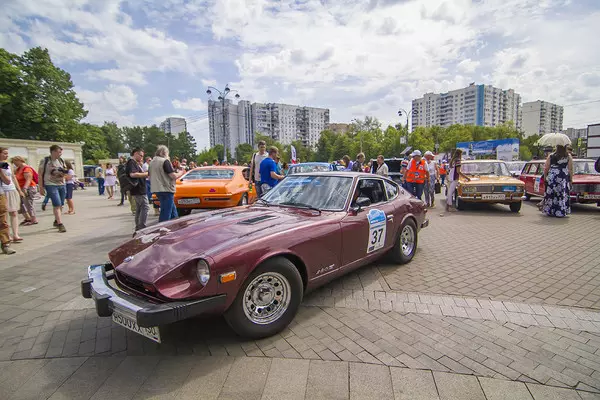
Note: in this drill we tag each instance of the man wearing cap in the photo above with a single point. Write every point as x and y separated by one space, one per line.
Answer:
416 175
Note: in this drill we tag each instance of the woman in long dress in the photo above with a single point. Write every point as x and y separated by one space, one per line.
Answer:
558 173
110 181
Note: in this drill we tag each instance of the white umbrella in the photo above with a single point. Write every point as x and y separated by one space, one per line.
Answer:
554 139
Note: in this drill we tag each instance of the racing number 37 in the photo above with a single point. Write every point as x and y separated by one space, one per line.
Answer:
377 227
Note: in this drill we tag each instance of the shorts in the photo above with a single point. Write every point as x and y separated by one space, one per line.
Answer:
13 201
264 188
57 194
70 187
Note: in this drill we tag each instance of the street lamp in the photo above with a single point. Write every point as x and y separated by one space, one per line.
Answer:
222 96
400 111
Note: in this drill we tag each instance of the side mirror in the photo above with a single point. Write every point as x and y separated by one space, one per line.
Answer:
362 202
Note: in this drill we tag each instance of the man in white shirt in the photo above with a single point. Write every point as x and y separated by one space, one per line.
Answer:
382 168
257 158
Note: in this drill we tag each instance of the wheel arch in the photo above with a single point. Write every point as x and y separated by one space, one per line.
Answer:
294 259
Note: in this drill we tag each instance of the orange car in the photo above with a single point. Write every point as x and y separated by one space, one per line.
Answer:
212 187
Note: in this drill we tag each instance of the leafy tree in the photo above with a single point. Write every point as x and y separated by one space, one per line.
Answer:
37 100
421 139
455 134
113 135
183 146
243 153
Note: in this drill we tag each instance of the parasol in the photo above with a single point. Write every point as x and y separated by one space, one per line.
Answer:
554 139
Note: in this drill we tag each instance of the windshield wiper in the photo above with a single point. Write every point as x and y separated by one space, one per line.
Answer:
266 203
301 205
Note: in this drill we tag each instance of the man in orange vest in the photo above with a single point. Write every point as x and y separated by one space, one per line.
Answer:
416 175
443 171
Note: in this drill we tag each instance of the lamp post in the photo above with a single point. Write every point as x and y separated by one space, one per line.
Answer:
222 96
400 111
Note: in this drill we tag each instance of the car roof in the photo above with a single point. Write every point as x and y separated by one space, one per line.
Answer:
343 174
480 161
310 163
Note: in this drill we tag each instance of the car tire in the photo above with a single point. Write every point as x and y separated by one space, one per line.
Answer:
460 205
244 200
527 196
182 212
515 207
243 317
406 243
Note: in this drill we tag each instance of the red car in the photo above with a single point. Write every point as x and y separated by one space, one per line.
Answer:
586 181
255 263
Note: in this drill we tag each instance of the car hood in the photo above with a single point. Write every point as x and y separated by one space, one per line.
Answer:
491 179
582 178
157 250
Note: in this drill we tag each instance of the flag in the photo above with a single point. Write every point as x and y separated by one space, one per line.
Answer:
293 151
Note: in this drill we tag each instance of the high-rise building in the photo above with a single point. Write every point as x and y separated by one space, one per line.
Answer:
576 133
481 105
540 117
173 125
593 141
283 122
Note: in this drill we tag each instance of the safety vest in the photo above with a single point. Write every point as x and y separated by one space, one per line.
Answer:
443 169
415 172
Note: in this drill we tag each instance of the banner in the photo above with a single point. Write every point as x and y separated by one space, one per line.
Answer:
293 151
502 149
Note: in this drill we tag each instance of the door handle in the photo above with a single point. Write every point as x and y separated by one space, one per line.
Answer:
390 217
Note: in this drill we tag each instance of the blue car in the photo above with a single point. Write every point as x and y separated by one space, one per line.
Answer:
311 167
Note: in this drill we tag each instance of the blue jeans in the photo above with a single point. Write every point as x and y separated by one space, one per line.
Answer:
57 194
416 189
149 194
100 186
167 206
443 179
46 199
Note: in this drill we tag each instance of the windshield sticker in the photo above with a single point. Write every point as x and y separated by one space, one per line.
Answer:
377 230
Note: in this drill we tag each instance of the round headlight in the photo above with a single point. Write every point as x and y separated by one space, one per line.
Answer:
202 272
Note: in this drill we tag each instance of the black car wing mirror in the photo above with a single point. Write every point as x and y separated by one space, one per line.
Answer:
362 202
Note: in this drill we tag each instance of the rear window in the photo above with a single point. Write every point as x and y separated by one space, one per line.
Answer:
209 174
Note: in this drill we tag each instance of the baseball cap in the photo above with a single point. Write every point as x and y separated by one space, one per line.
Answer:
416 153
428 153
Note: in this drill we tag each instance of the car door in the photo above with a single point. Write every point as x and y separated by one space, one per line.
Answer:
367 233
537 170
527 178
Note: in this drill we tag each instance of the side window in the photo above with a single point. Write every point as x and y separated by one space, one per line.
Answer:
534 169
373 189
246 173
391 190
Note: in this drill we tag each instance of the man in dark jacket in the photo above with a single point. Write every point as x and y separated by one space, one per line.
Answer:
123 185
358 164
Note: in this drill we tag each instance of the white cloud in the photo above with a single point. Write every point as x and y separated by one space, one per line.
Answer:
468 65
117 75
154 103
109 104
194 103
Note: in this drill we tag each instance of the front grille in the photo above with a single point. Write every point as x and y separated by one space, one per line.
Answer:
586 188
131 284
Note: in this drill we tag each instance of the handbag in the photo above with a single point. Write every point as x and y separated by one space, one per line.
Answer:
438 188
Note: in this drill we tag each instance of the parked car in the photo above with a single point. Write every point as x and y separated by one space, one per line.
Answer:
212 187
310 167
255 263
586 181
515 167
394 168
490 182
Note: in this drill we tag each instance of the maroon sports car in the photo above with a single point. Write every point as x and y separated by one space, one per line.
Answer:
254 263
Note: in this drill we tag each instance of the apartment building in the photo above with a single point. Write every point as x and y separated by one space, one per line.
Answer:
283 122
481 105
173 125
540 117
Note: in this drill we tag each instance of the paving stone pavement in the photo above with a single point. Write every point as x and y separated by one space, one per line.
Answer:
363 318
244 378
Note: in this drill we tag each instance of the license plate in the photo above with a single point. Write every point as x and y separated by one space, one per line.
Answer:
151 333
591 196
188 201
493 197
509 189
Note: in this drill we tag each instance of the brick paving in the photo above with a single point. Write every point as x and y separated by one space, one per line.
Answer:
364 318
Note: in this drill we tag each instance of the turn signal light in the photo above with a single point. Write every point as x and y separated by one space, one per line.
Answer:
227 277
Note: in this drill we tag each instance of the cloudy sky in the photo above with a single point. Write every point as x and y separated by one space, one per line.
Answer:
138 61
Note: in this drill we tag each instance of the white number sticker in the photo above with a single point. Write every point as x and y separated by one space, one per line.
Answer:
377 229
536 185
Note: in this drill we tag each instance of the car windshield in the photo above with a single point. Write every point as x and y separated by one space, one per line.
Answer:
297 169
198 174
584 168
515 165
322 192
485 168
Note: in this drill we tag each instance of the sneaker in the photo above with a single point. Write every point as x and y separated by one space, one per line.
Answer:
43 207
61 228
7 250
55 224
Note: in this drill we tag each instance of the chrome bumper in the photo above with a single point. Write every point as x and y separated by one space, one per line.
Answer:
147 314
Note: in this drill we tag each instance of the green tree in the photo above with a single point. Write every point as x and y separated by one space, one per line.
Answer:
325 145
421 139
37 100
183 146
455 134
243 153
114 138
208 155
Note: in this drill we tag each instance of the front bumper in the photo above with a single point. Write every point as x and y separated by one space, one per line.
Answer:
147 314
